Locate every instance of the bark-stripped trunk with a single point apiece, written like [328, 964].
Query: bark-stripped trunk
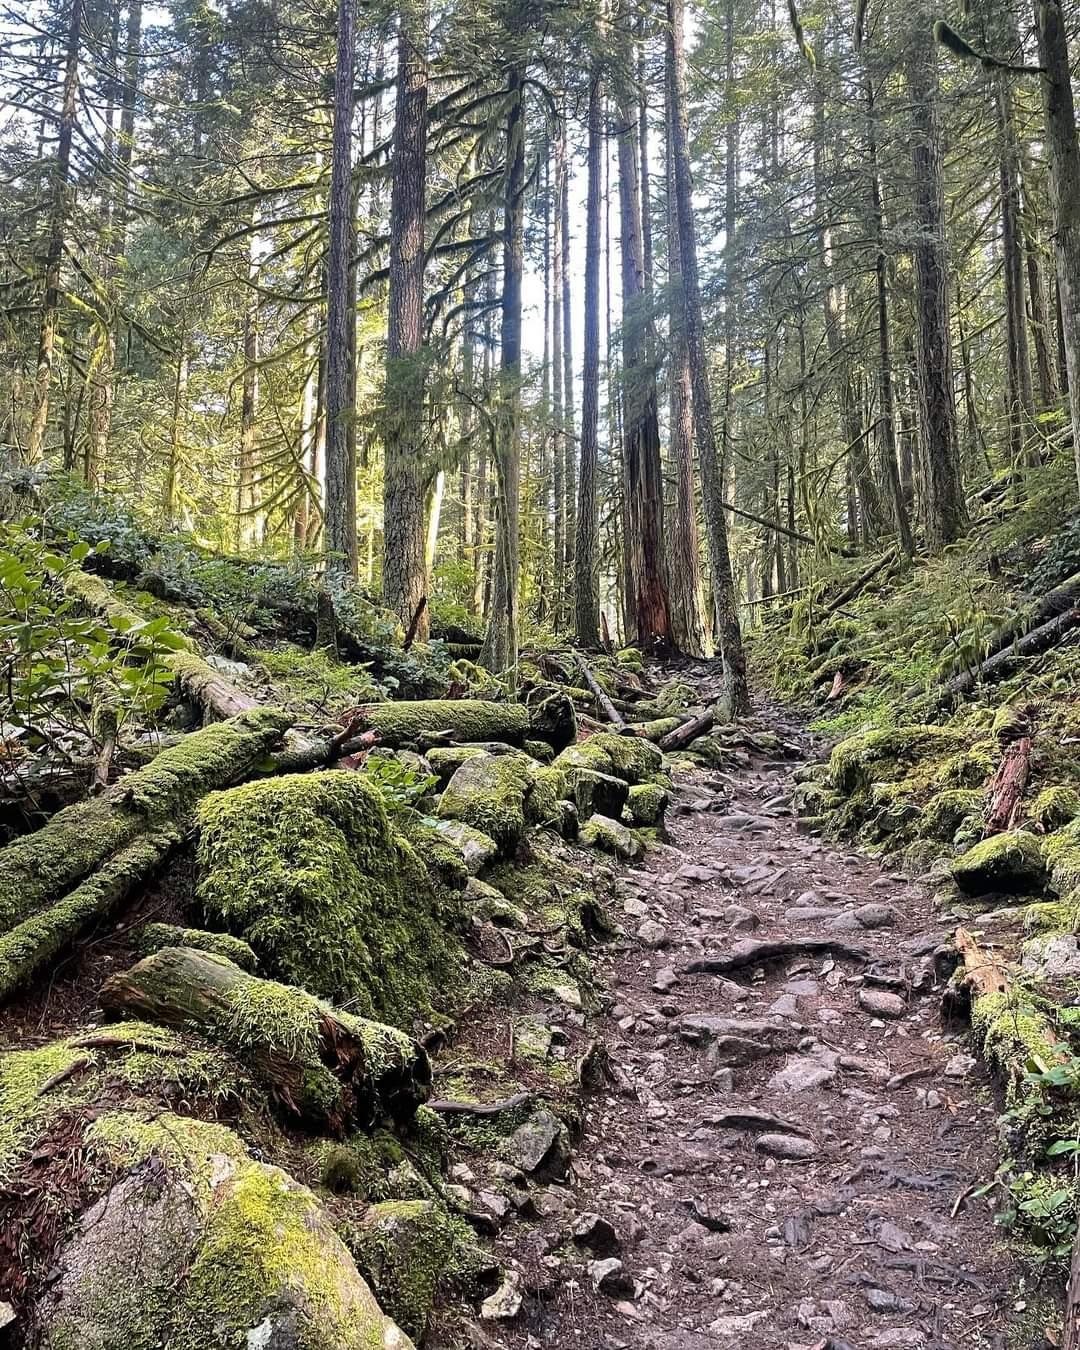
[728, 633]
[59, 213]
[946, 515]
[586, 555]
[339, 534]
[404, 570]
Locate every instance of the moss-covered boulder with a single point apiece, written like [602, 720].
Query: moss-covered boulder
[946, 811]
[476, 848]
[488, 793]
[445, 760]
[611, 836]
[1054, 807]
[881, 756]
[411, 1252]
[1062, 853]
[554, 720]
[646, 804]
[627, 757]
[308, 870]
[198, 1245]
[1008, 863]
[675, 697]
[592, 791]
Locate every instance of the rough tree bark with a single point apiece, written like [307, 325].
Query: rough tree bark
[404, 569]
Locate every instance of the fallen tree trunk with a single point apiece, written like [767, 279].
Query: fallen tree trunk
[750, 952]
[861, 582]
[37, 940]
[40, 868]
[332, 1070]
[429, 722]
[1032, 643]
[603, 702]
[689, 731]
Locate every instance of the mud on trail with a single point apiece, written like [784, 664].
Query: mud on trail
[789, 1153]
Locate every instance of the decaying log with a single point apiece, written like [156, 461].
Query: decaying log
[453, 1107]
[861, 582]
[1051, 621]
[603, 702]
[329, 1068]
[40, 868]
[749, 952]
[436, 721]
[689, 731]
[1007, 787]
[985, 977]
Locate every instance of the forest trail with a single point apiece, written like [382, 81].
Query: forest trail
[847, 1223]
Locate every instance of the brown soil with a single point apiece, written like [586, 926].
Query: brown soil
[874, 1240]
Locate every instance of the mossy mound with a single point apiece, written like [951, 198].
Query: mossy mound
[882, 756]
[1054, 807]
[675, 697]
[1009, 862]
[554, 720]
[430, 721]
[206, 1248]
[557, 896]
[1062, 853]
[153, 936]
[309, 872]
[947, 811]
[626, 757]
[646, 804]
[611, 836]
[488, 793]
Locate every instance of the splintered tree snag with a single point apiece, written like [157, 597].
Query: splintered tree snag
[331, 1069]
[983, 976]
[41, 868]
[1007, 787]
[603, 702]
[861, 582]
[751, 953]
[689, 731]
[414, 623]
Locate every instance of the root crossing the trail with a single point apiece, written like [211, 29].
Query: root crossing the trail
[789, 1153]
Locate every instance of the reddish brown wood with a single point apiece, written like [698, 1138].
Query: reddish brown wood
[1007, 787]
[689, 731]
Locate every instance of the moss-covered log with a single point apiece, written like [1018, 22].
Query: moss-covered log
[41, 868]
[435, 721]
[331, 1069]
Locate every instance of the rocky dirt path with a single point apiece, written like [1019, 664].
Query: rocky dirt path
[792, 1157]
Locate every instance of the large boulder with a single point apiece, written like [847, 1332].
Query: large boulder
[627, 757]
[500, 795]
[884, 756]
[1005, 863]
[197, 1245]
[309, 871]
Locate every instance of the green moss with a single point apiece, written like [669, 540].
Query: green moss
[445, 759]
[308, 871]
[539, 750]
[1055, 806]
[1062, 852]
[946, 811]
[25, 1109]
[657, 729]
[1008, 722]
[1012, 861]
[153, 936]
[489, 794]
[554, 895]
[546, 791]
[1056, 916]
[675, 697]
[610, 836]
[627, 757]
[970, 768]
[446, 856]
[873, 756]
[124, 1139]
[39, 866]
[468, 719]
[646, 803]
[631, 658]
[1014, 1034]
[314, 682]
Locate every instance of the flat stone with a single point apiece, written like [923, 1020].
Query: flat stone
[875, 915]
[740, 918]
[802, 988]
[652, 934]
[880, 1003]
[901, 1338]
[737, 1324]
[785, 1146]
[803, 1073]
[505, 1303]
[785, 1006]
[635, 909]
[961, 1065]
[610, 1277]
[811, 914]
[665, 980]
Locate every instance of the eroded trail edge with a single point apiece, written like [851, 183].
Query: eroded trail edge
[788, 1153]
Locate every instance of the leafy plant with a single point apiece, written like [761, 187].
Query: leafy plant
[69, 680]
[401, 784]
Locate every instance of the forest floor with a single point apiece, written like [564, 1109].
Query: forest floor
[794, 1158]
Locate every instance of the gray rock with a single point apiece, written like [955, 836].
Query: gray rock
[505, 1303]
[610, 1277]
[594, 792]
[740, 918]
[652, 934]
[961, 1065]
[803, 1073]
[477, 849]
[785, 1006]
[811, 914]
[880, 1003]
[738, 1324]
[610, 836]
[538, 1142]
[785, 1146]
[875, 915]
[665, 980]
[596, 1233]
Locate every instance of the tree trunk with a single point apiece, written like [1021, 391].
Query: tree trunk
[500, 649]
[558, 589]
[1021, 396]
[1064, 155]
[404, 570]
[586, 550]
[643, 479]
[247, 492]
[728, 632]
[946, 515]
[570, 445]
[332, 1069]
[59, 213]
[339, 539]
